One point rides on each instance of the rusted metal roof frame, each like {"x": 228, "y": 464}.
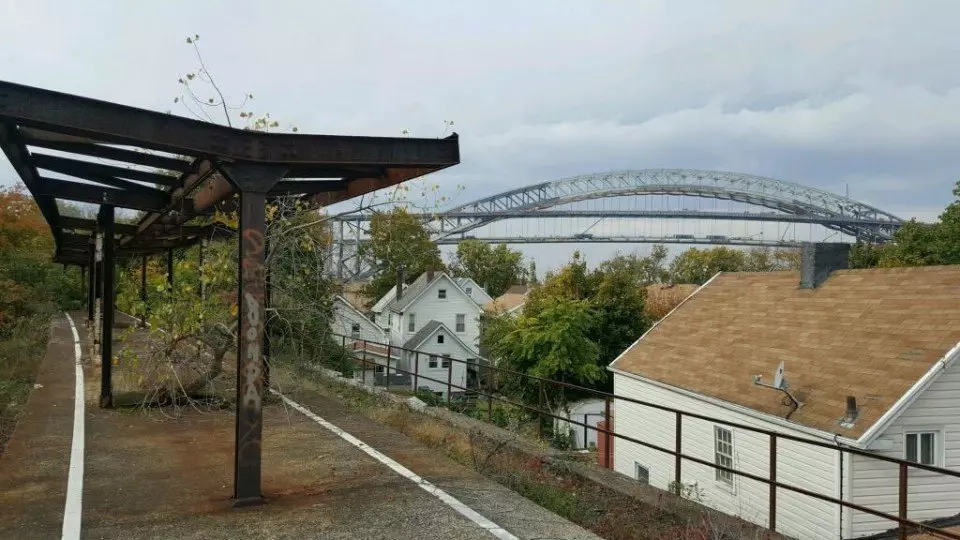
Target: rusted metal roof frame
{"x": 31, "y": 117}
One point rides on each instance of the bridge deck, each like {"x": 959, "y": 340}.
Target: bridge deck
{"x": 148, "y": 476}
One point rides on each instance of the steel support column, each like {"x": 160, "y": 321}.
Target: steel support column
{"x": 143, "y": 291}
{"x": 170, "y": 268}
{"x": 253, "y": 183}
{"x": 109, "y": 292}
{"x": 92, "y": 280}
{"x": 266, "y": 312}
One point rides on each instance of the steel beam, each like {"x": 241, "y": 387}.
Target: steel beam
{"x": 35, "y": 138}
{"x": 91, "y": 171}
{"x": 74, "y": 191}
{"x": 113, "y": 123}
{"x": 109, "y": 292}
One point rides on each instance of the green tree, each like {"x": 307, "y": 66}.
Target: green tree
{"x": 494, "y": 268}
{"x": 619, "y": 303}
{"x": 698, "y": 265}
{"x": 916, "y": 243}
{"x": 399, "y": 240}
{"x": 555, "y": 344}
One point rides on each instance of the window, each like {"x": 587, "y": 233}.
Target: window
{"x": 470, "y": 290}
{"x": 433, "y": 361}
{"x": 379, "y": 368}
{"x": 723, "y": 453}
{"x": 461, "y": 322}
{"x": 446, "y": 361}
{"x": 441, "y": 293}
{"x": 355, "y": 330}
{"x": 411, "y": 322}
{"x": 641, "y": 473}
{"x": 921, "y": 447}
{"x": 390, "y": 318}
{"x": 439, "y": 338}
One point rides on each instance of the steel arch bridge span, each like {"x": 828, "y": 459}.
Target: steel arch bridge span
{"x": 833, "y": 211}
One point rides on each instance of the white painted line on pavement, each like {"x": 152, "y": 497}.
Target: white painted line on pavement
{"x": 448, "y": 499}
{"x": 74, "y": 506}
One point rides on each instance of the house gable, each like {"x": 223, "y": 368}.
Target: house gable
{"x": 346, "y": 316}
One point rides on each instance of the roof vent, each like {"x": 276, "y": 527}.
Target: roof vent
{"x": 852, "y": 413}
{"x": 817, "y": 260}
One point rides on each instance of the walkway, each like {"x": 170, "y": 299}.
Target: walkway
{"x": 149, "y": 476}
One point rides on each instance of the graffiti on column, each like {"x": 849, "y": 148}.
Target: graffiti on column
{"x": 251, "y": 372}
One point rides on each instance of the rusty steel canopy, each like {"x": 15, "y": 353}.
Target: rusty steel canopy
{"x": 74, "y": 148}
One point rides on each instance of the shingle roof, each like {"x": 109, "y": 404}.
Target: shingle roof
{"x": 870, "y": 334}
{"x": 515, "y": 297}
{"x": 422, "y": 334}
{"x": 412, "y": 291}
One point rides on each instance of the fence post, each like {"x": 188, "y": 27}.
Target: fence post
{"x": 416, "y": 371}
{"x": 449, "y": 378}
{"x": 386, "y": 379}
{"x": 608, "y": 423}
{"x": 773, "y": 480}
{"x": 344, "y": 347}
{"x": 363, "y": 363}
{"x": 678, "y": 484}
{"x": 903, "y": 500}
{"x": 540, "y": 413}
{"x": 489, "y": 391}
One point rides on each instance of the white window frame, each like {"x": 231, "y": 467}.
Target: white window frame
{"x": 411, "y": 322}
{"x": 938, "y": 438}
{"x": 636, "y": 472}
{"x": 433, "y": 362}
{"x": 445, "y": 361}
{"x": 461, "y": 323}
{"x": 380, "y": 368}
{"x": 470, "y": 291}
{"x": 442, "y": 294}
{"x": 355, "y": 330}
{"x": 440, "y": 339}
{"x": 721, "y": 457}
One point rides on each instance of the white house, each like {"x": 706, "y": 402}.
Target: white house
{"x": 350, "y": 322}
{"x": 475, "y": 291}
{"x": 871, "y": 357}
{"x": 436, "y": 348}
{"x": 589, "y": 412}
{"x": 434, "y": 296}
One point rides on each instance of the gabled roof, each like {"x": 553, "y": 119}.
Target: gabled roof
{"x": 344, "y": 302}
{"x": 465, "y": 282}
{"x": 510, "y": 301}
{"x": 428, "y": 330}
{"x": 387, "y": 298}
{"x": 872, "y": 334}
{"x": 418, "y": 287}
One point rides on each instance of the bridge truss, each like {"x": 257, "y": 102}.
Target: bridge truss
{"x": 763, "y": 199}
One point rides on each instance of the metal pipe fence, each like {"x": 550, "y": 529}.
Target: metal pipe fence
{"x": 904, "y": 525}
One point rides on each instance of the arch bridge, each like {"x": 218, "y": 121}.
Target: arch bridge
{"x": 764, "y": 200}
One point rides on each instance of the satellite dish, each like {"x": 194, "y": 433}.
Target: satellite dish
{"x": 778, "y": 380}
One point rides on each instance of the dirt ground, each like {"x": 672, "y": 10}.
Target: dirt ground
{"x": 149, "y": 475}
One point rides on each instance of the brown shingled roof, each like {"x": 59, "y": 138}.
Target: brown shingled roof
{"x": 866, "y": 333}
{"x": 515, "y": 297}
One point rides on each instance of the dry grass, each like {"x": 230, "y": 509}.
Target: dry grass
{"x": 513, "y": 461}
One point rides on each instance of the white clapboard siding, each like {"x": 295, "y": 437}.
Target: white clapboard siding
{"x": 428, "y": 307}
{"x": 345, "y": 316}
{"x": 436, "y": 378}
{"x": 930, "y": 495}
{"x": 805, "y": 466}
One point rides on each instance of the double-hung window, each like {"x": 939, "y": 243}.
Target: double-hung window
{"x": 433, "y": 361}
{"x": 723, "y": 453}
{"x": 411, "y": 322}
{"x": 461, "y": 322}
{"x": 445, "y": 363}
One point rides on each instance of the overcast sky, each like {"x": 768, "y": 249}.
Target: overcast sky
{"x": 824, "y": 93}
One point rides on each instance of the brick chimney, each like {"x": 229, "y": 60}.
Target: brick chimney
{"x": 817, "y": 260}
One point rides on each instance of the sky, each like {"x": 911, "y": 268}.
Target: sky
{"x": 858, "y": 95}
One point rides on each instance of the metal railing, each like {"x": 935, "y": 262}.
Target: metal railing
{"x": 905, "y": 525}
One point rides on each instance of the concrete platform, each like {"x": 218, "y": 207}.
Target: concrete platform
{"x": 151, "y": 476}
